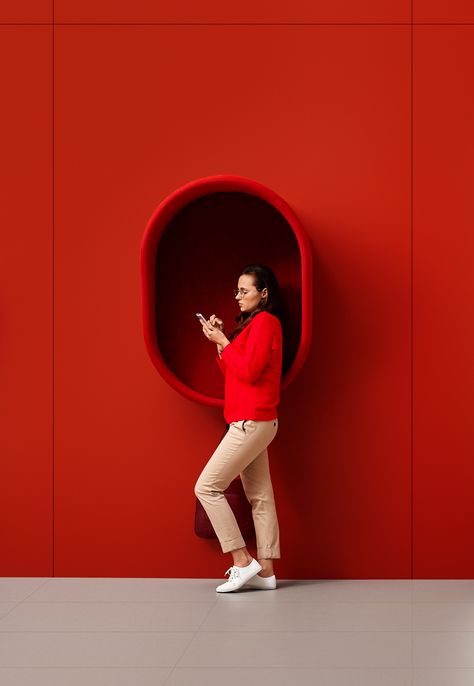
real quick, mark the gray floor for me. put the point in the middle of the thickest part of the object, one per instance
(180, 632)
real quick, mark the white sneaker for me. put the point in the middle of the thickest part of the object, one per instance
(262, 582)
(239, 576)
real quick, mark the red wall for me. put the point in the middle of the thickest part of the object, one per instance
(362, 120)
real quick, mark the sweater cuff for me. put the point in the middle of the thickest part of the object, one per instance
(226, 348)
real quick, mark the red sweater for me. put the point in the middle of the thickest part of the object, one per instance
(251, 365)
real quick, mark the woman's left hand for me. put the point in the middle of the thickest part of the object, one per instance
(214, 334)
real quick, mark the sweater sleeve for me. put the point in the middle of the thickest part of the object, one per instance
(221, 364)
(257, 351)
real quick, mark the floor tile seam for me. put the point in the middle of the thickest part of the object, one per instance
(224, 632)
(121, 667)
(256, 602)
(20, 602)
(9, 613)
(96, 631)
(212, 605)
(237, 631)
(442, 602)
(418, 671)
(310, 668)
(29, 579)
(116, 602)
(194, 632)
(276, 603)
(75, 668)
(252, 668)
(228, 632)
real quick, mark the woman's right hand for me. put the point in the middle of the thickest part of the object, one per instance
(215, 321)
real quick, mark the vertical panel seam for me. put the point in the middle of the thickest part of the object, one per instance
(52, 269)
(411, 283)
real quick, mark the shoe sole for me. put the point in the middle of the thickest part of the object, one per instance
(261, 583)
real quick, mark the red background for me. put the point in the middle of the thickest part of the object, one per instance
(359, 115)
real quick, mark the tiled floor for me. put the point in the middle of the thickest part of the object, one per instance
(180, 632)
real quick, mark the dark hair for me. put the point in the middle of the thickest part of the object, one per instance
(263, 278)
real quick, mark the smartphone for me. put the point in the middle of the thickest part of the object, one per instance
(201, 318)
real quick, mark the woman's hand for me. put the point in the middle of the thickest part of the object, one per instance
(214, 334)
(218, 323)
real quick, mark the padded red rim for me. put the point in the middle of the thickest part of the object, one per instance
(157, 223)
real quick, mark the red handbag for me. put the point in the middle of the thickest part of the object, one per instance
(239, 504)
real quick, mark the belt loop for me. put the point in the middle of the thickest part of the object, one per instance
(243, 425)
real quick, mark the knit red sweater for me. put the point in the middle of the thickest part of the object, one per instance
(251, 365)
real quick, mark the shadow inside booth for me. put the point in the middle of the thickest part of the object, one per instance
(199, 259)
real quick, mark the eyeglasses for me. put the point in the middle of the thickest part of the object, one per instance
(241, 292)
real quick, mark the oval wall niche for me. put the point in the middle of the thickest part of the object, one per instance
(193, 250)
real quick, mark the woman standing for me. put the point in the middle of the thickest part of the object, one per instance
(251, 361)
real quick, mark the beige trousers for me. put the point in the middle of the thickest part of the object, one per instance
(243, 450)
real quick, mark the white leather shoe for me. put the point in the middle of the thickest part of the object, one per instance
(264, 583)
(238, 576)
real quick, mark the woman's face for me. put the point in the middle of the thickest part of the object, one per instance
(248, 297)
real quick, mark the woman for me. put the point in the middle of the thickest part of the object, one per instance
(251, 361)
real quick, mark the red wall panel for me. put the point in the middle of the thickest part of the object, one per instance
(443, 11)
(26, 459)
(322, 116)
(303, 11)
(26, 11)
(443, 302)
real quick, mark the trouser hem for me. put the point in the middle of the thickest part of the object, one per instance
(268, 553)
(233, 544)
